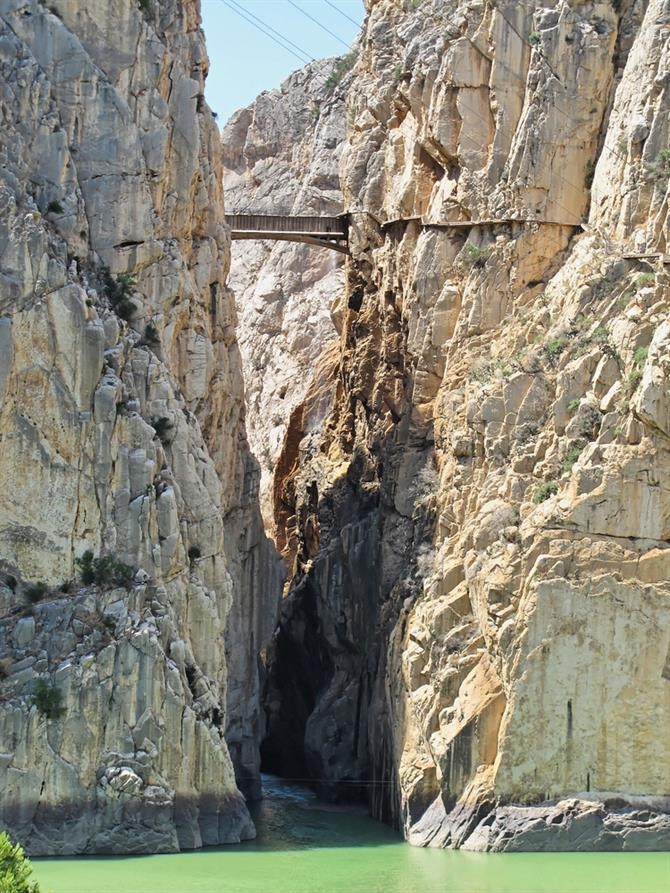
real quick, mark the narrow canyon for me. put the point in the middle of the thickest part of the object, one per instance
(395, 519)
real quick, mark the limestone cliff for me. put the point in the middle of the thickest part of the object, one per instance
(478, 625)
(121, 432)
(281, 156)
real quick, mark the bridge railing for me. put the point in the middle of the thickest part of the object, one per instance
(335, 227)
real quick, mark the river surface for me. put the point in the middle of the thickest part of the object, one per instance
(302, 848)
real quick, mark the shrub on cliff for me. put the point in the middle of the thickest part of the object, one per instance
(48, 700)
(341, 68)
(104, 571)
(35, 592)
(119, 291)
(15, 869)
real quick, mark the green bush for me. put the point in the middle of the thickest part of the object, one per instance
(645, 279)
(54, 208)
(572, 456)
(104, 571)
(473, 256)
(534, 38)
(119, 291)
(556, 346)
(48, 700)
(341, 68)
(15, 869)
(544, 491)
(573, 405)
(35, 592)
(640, 357)
(631, 382)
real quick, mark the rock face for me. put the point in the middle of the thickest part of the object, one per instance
(281, 156)
(478, 623)
(121, 423)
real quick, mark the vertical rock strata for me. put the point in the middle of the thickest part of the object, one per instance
(281, 156)
(477, 629)
(121, 432)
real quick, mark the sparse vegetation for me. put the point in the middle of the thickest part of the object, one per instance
(572, 456)
(473, 256)
(534, 38)
(634, 377)
(341, 68)
(573, 405)
(645, 279)
(35, 592)
(661, 167)
(151, 336)
(54, 207)
(162, 426)
(146, 6)
(10, 582)
(589, 174)
(500, 368)
(15, 869)
(640, 357)
(555, 347)
(119, 291)
(544, 491)
(48, 699)
(104, 571)
(630, 385)
(316, 112)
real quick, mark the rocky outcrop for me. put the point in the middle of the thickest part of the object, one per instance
(478, 622)
(281, 156)
(121, 422)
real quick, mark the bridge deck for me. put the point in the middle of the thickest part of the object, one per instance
(321, 227)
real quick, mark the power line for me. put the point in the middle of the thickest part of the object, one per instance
(317, 22)
(337, 9)
(268, 34)
(274, 31)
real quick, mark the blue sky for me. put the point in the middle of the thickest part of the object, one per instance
(244, 61)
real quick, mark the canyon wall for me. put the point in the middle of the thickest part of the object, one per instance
(281, 156)
(477, 628)
(122, 435)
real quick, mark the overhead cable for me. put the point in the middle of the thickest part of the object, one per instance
(317, 22)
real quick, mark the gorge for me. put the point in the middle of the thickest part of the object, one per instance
(396, 523)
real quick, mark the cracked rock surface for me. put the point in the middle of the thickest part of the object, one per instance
(122, 433)
(479, 611)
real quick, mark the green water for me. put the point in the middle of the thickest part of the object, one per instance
(301, 849)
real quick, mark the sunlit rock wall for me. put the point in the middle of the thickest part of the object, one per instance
(281, 156)
(121, 430)
(478, 624)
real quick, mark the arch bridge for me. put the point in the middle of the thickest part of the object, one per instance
(325, 232)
